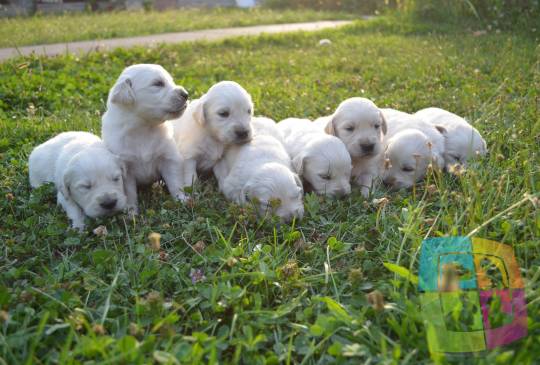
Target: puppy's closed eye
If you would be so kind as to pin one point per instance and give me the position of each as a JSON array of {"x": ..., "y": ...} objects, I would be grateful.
[
  {"x": 325, "y": 176},
  {"x": 158, "y": 83},
  {"x": 407, "y": 168},
  {"x": 349, "y": 128},
  {"x": 86, "y": 186}
]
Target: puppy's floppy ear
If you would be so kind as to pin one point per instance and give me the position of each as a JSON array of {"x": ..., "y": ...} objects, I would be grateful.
[
  {"x": 329, "y": 129},
  {"x": 198, "y": 110},
  {"x": 122, "y": 165},
  {"x": 65, "y": 184},
  {"x": 122, "y": 92},
  {"x": 438, "y": 160},
  {"x": 442, "y": 130},
  {"x": 484, "y": 147},
  {"x": 383, "y": 123},
  {"x": 245, "y": 193},
  {"x": 298, "y": 163},
  {"x": 299, "y": 182}
]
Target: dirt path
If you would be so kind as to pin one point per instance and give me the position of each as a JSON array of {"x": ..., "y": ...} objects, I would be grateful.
[{"x": 152, "y": 40}]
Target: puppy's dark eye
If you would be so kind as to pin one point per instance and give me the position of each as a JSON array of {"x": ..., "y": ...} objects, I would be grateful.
[
  {"x": 377, "y": 126},
  {"x": 407, "y": 168},
  {"x": 249, "y": 111},
  {"x": 224, "y": 113},
  {"x": 158, "y": 83},
  {"x": 349, "y": 129},
  {"x": 326, "y": 177},
  {"x": 86, "y": 186},
  {"x": 116, "y": 179}
]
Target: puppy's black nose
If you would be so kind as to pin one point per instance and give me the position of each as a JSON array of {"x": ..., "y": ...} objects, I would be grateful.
[
  {"x": 108, "y": 204},
  {"x": 241, "y": 133},
  {"x": 367, "y": 147},
  {"x": 389, "y": 180},
  {"x": 182, "y": 93}
]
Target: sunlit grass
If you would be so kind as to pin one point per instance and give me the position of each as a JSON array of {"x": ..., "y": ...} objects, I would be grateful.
[{"x": 272, "y": 294}]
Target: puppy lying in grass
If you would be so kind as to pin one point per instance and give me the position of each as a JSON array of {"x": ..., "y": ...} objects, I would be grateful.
[
  {"x": 218, "y": 119},
  {"x": 260, "y": 171},
  {"x": 267, "y": 126},
  {"x": 361, "y": 126},
  {"x": 88, "y": 178},
  {"x": 134, "y": 127},
  {"x": 411, "y": 145},
  {"x": 321, "y": 160},
  {"x": 463, "y": 141}
]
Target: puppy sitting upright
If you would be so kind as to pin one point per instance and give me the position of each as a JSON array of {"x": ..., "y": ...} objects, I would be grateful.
[
  {"x": 463, "y": 141},
  {"x": 361, "y": 126},
  {"x": 87, "y": 176},
  {"x": 134, "y": 127},
  {"x": 220, "y": 118},
  {"x": 320, "y": 159}
]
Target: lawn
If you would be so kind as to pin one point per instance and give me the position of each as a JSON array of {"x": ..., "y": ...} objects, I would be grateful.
[
  {"x": 43, "y": 29},
  {"x": 255, "y": 292}
]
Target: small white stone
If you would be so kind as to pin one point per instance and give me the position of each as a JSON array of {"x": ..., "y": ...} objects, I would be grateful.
[{"x": 325, "y": 42}]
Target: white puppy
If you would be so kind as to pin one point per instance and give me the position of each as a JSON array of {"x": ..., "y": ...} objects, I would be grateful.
[
  {"x": 463, "y": 141},
  {"x": 260, "y": 171},
  {"x": 411, "y": 145},
  {"x": 398, "y": 121},
  {"x": 406, "y": 159},
  {"x": 266, "y": 126},
  {"x": 134, "y": 127},
  {"x": 88, "y": 178},
  {"x": 218, "y": 119},
  {"x": 321, "y": 160},
  {"x": 361, "y": 127}
]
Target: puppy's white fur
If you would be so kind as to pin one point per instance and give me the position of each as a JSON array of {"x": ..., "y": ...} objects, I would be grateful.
[
  {"x": 134, "y": 127},
  {"x": 411, "y": 145},
  {"x": 322, "y": 160},
  {"x": 406, "y": 158},
  {"x": 88, "y": 178},
  {"x": 463, "y": 141},
  {"x": 361, "y": 127},
  {"x": 220, "y": 118},
  {"x": 266, "y": 126},
  {"x": 261, "y": 171},
  {"x": 398, "y": 121}
]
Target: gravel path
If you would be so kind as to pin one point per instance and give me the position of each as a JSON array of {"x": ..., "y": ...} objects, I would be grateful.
[{"x": 152, "y": 40}]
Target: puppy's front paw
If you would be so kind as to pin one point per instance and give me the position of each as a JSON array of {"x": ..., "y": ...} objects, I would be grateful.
[
  {"x": 78, "y": 226},
  {"x": 182, "y": 197},
  {"x": 364, "y": 190},
  {"x": 132, "y": 211}
]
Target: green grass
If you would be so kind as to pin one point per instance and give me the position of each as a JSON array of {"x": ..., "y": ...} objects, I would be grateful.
[
  {"x": 42, "y": 29},
  {"x": 271, "y": 294}
]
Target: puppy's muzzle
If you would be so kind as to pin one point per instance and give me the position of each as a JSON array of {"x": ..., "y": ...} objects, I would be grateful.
[
  {"x": 242, "y": 134},
  {"x": 367, "y": 148},
  {"x": 389, "y": 181},
  {"x": 182, "y": 93},
  {"x": 180, "y": 102},
  {"x": 108, "y": 202}
]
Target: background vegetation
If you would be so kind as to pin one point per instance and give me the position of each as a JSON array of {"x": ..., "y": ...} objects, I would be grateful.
[{"x": 41, "y": 29}]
